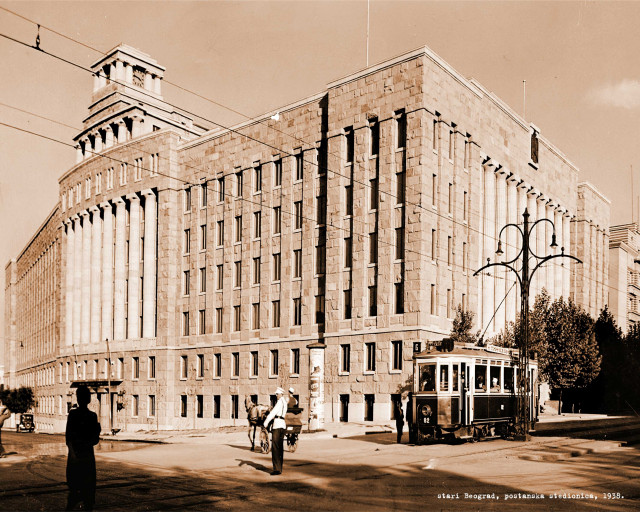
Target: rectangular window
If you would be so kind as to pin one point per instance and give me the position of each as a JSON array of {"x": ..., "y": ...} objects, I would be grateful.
[
  {"x": 124, "y": 175},
  {"x": 183, "y": 406},
  {"x": 396, "y": 355},
  {"x": 219, "y": 320},
  {"x": 434, "y": 239},
  {"x": 235, "y": 365},
  {"x": 109, "y": 181},
  {"x": 277, "y": 173},
  {"x": 321, "y": 209},
  {"x": 433, "y": 299},
  {"x": 216, "y": 406},
  {"x": 257, "y": 179},
  {"x": 185, "y": 282},
  {"x": 120, "y": 368},
  {"x": 434, "y": 189},
  {"x": 203, "y": 195},
  {"x": 239, "y": 184},
  {"x": 155, "y": 163},
  {"x": 448, "y": 303},
  {"x": 297, "y": 207},
  {"x": 345, "y": 358},
  {"x": 320, "y": 309},
  {"x": 451, "y": 145},
  {"x": 220, "y": 231},
  {"x": 135, "y": 368},
  {"x": 297, "y": 311},
  {"x": 320, "y": 257},
  {"x": 151, "y": 367},
  {"x": 467, "y": 143},
  {"x": 464, "y": 257},
  {"x": 187, "y": 199},
  {"x": 135, "y": 405},
  {"x": 399, "y": 298},
  {"x": 199, "y": 406},
  {"x": 449, "y": 251},
  {"x": 369, "y": 401},
  {"x": 221, "y": 189},
  {"x": 236, "y": 318},
  {"x": 219, "y": 277},
  {"x": 203, "y": 280},
  {"x": 373, "y": 300},
  {"x": 374, "y": 136},
  {"x": 347, "y": 304},
  {"x": 186, "y": 244},
  {"x": 348, "y": 252},
  {"x": 275, "y": 313},
  {"x": 350, "y": 145},
  {"x": 373, "y": 247},
  {"x": 257, "y": 224},
  {"x": 370, "y": 350},
  {"x": 348, "y": 200},
  {"x": 299, "y": 166},
  {"x": 256, "y": 270},
  {"x": 255, "y": 316},
  {"x": 401, "y": 129},
  {"x": 276, "y": 267},
  {"x": 202, "y": 322},
  {"x": 464, "y": 302},
  {"x": 137, "y": 163},
  {"x": 273, "y": 367},
  {"x": 277, "y": 220},
  {"x": 399, "y": 243},
  {"x": 185, "y": 323},
  {"x": 234, "y": 407},
  {"x": 238, "y": 228},
  {"x": 184, "y": 367},
  {"x": 200, "y": 366},
  {"x": 297, "y": 263},
  {"x": 254, "y": 364},
  {"x": 203, "y": 237},
  {"x": 217, "y": 366},
  {"x": 450, "y": 205},
  {"x": 151, "y": 407},
  {"x": 237, "y": 274},
  {"x": 373, "y": 194},
  {"x": 435, "y": 134}
]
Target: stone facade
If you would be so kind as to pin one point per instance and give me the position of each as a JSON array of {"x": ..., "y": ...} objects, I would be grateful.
[
  {"x": 350, "y": 222},
  {"x": 624, "y": 274}
]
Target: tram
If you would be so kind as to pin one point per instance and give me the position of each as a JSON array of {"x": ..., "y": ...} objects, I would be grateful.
[{"x": 467, "y": 392}]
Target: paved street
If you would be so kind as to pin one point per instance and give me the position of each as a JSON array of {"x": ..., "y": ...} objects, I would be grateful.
[{"x": 367, "y": 472}]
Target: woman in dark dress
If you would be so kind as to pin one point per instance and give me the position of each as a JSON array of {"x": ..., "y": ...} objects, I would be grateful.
[{"x": 82, "y": 434}]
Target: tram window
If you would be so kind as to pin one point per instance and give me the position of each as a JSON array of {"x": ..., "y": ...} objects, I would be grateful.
[
  {"x": 427, "y": 377},
  {"x": 444, "y": 378},
  {"x": 494, "y": 374},
  {"x": 508, "y": 379},
  {"x": 454, "y": 377},
  {"x": 481, "y": 377}
]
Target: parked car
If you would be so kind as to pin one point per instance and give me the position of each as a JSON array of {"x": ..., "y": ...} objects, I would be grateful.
[{"x": 26, "y": 423}]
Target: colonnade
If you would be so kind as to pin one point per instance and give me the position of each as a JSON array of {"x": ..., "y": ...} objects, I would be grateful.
[
  {"x": 105, "y": 292},
  {"x": 110, "y": 134}
]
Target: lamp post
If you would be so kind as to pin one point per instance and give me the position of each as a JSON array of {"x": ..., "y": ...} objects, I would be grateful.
[{"x": 523, "y": 420}]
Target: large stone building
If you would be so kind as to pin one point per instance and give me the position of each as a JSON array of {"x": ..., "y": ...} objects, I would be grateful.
[
  {"x": 314, "y": 247},
  {"x": 624, "y": 274}
]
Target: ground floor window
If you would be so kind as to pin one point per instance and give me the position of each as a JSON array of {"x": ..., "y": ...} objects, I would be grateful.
[
  {"x": 344, "y": 407},
  {"x": 234, "y": 407},
  {"x": 200, "y": 406},
  {"x": 183, "y": 406},
  {"x": 216, "y": 406},
  {"x": 369, "y": 400}
]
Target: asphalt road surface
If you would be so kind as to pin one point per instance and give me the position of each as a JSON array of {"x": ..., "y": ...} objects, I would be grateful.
[{"x": 370, "y": 472}]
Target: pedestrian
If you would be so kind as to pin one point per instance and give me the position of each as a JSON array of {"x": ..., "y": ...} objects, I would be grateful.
[
  {"x": 5, "y": 414},
  {"x": 410, "y": 425},
  {"x": 292, "y": 402},
  {"x": 82, "y": 434},
  {"x": 399, "y": 421},
  {"x": 277, "y": 415}
]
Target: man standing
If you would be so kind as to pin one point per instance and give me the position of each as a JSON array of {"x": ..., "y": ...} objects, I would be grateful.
[
  {"x": 5, "y": 414},
  {"x": 292, "y": 402},
  {"x": 399, "y": 420},
  {"x": 277, "y": 415}
]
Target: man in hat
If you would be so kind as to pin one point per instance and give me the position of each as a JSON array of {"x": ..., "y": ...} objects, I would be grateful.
[
  {"x": 277, "y": 415},
  {"x": 292, "y": 402}
]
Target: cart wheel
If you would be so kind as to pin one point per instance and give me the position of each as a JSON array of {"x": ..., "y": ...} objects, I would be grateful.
[
  {"x": 292, "y": 442},
  {"x": 264, "y": 441}
]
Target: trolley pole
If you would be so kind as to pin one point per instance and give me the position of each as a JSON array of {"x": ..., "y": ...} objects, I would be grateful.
[{"x": 523, "y": 414}]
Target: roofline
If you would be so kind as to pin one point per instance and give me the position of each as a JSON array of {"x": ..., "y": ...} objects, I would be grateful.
[
  {"x": 132, "y": 52},
  {"x": 38, "y": 231},
  {"x": 595, "y": 190}
]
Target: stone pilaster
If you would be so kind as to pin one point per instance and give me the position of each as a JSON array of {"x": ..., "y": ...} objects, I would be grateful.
[
  {"x": 566, "y": 243},
  {"x": 551, "y": 265},
  {"x": 499, "y": 272},
  {"x": 133, "y": 315},
  {"x": 69, "y": 283},
  {"x": 560, "y": 263},
  {"x": 85, "y": 318},
  {"x": 489, "y": 246},
  {"x": 119, "y": 326},
  {"x": 96, "y": 271},
  {"x": 540, "y": 276},
  {"x": 149, "y": 266},
  {"x": 109, "y": 136},
  {"x": 532, "y": 208},
  {"x": 77, "y": 278},
  {"x": 107, "y": 272},
  {"x": 510, "y": 252}
]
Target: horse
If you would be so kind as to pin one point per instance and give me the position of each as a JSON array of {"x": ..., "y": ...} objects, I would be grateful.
[{"x": 256, "y": 414}]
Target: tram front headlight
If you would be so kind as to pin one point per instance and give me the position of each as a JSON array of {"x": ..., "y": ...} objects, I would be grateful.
[{"x": 426, "y": 410}]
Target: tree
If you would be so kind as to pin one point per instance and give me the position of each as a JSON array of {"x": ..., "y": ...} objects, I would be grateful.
[
  {"x": 18, "y": 400},
  {"x": 461, "y": 327},
  {"x": 606, "y": 391}
]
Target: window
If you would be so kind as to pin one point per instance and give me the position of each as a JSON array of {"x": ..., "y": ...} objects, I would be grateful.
[
  {"x": 109, "y": 182},
  {"x": 373, "y": 300},
  {"x": 137, "y": 166},
  {"x": 373, "y": 194},
  {"x": 277, "y": 173},
  {"x": 254, "y": 364},
  {"x": 221, "y": 189},
  {"x": 434, "y": 189},
  {"x": 219, "y": 277},
  {"x": 203, "y": 279},
  {"x": 98, "y": 185},
  {"x": 347, "y": 304},
  {"x": 345, "y": 358},
  {"x": 238, "y": 274},
  {"x": 216, "y": 406},
  {"x": 348, "y": 252},
  {"x": 297, "y": 311},
  {"x": 120, "y": 368},
  {"x": 297, "y": 207},
  {"x": 257, "y": 224},
  {"x": 508, "y": 379},
  {"x": 184, "y": 367},
  {"x": 321, "y": 209},
  {"x": 238, "y": 228},
  {"x": 257, "y": 179},
  {"x": 203, "y": 237},
  {"x": 434, "y": 239},
  {"x": 152, "y": 367},
  {"x": 135, "y": 368},
  {"x": 273, "y": 368},
  {"x": 350, "y": 146},
  {"x": 451, "y": 142},
  {"x": 217, "y": 366},
  {"x": 370, "y": 352},
  {"x": 199, "y": 406},
  {"x": 236, "y": 318},
  {"x": 202, "y": 322},
  {"x": 155, "y": 163},
  {"x": 481, "y": 377},
  {"x": 255, "y": 316},
  {"x": 297, "y": 263},
  {"x": 450, "y": 205},
  {"x": 369, "y": 401},
  {"x": 374, "y": 136},
  {"x": 449, "y": 251},
  {"x": 449, "y": 304},
  {"x": 200, "y": 366},
  {"x": 320, "y": 309},
  {"x": 124, "y": 175},
  {"x": 399, "y": 243},
  {"x": 399, "y": 298},
  {"x": 256, "y": 270},
  {"x": 435, "y": 134},
  {"x": 218, "y": 320},
  {"x": 185, "y": 282},
  {"x": 220, "y": 231},
  {"x": 185, "y": 323},
  {"x": 135, "y": 405},
  {"x": 464, "y": 257},
  {"x": 276, "y": 267},
  {"x": 373, "y": 247},
  {"x": 275, "y": 313},
  {"x": 277, "y": 220},
  {"x": 235, "y": 367},
  {"x": 396, "y": 355},
  {"x": 187, "y": 199},
  {"x": 239, "y": 184},
  {"x": 234, "y": 407},
  {"x": 433, "y": 299},
  {"x": 295, "y": 361},
  {"x": 348, "y": 199},
  {"x": 187, "y": 241},
  {"x": 203, "y": 195},
  {"x": 151, "y": 406},
  {"x": 401, "y": 129},
  {"x": 299, "y": 166},
  {"x": 320, "y": 257}
]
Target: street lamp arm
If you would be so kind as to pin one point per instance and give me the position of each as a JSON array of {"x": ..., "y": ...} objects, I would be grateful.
[
  {"x": 499, "y": 264},
  {"x": 544, "y": 260},
  {"x": 531, "y": 230},
  {"x": 521, "y": 234}
]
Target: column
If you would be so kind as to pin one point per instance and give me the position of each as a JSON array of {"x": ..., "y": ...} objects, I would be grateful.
[
  {"x": 523, "y": 189},
  {"x": 79, "y": 155},
  {"x": 316, "y": 386},
  {"x": 133, "y": 314},
  {"x": 499, "y": 272},
  {"x": 97, "y": 141},
  {"x": 107, "y": 272},
  {"x": 119, "y": 325},
  {"x": 102, "y": 79},
  {"x": 88, "y": 148},
  {"x": 551, "y": 265},
  {"x": 149, "y": 266},
  {"x": 593, "y": 253},
  {"x": 541, "y": 248},
  {"x": 69, "y": 284},
  {"x": 136, "y": 126},
  {"x": 532, "y": 208},
  {"x": 119, "y": 71},
  {"x": 566, "y": 243},
  {"x": 77, "y": 278},
  {"x": 147, "y": 81},
  {"x": 489, "y": 247},
  {"x": 128, "y": 73},
  {"x": 510, "y": 252},
  {"x": 560, "y": 263},
  {"x": 96, "y": 82},
  {"x": 109, "y": 136},
  {"x": 85, "y": 318},
  {"x": 156, "y": 85},
  {"x": 122, "y": 131},
  {"x": 96, "y": 274}
]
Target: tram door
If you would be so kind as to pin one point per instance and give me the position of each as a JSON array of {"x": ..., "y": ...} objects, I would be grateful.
[{"x": 463, "y": 393}]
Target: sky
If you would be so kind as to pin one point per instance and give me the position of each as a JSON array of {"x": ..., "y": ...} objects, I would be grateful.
[{"x": 579, "y": 59}]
